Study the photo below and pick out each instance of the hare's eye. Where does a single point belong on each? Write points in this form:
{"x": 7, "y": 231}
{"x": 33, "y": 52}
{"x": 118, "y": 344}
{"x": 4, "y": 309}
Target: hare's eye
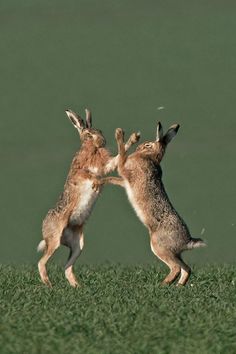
{"x": 148, "y": 145}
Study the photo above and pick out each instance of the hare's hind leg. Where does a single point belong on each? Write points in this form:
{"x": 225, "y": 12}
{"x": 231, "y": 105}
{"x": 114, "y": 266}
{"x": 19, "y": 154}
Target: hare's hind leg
{"x": 52, "y": 231}
{"x": 174, "y": 262}
{"x": 171, "y": 260}
{"x": 52, "y": 243}
{"x": 74, "y": 239}
{"x": 185, "y": 273}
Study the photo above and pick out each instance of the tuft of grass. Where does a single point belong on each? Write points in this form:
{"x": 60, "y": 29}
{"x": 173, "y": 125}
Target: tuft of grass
{"x": 118, "y": 310}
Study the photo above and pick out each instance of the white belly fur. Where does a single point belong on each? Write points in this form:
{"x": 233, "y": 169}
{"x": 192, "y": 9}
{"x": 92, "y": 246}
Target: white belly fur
{"x": 134, "y": 203}
{"x": 85, "y": 204}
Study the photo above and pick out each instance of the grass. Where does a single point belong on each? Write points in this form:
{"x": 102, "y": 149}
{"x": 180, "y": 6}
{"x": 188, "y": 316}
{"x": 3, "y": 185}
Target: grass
{"x": 117, "y": 310}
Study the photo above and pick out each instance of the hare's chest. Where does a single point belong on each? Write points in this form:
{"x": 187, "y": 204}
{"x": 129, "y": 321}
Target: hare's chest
{"x": 134, "y": 201}
{"x": 93, "y": 170}
{"x": 85, "y": 203}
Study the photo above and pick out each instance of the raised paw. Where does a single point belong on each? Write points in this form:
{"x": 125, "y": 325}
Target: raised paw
{"x": 134, "y": 138}
{"x": 97, "y": 185}
{"x": 119, "y": 134}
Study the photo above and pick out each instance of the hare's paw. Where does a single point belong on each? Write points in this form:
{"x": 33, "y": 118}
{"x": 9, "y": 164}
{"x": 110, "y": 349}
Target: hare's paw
{"x": 134, "y": 138}
{"x": 119, "y": 134}
{"x": 97, "y": 185}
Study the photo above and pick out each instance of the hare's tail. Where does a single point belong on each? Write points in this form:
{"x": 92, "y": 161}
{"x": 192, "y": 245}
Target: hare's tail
{"x": 41, "y": 246}
{"x": 195, "y": 243}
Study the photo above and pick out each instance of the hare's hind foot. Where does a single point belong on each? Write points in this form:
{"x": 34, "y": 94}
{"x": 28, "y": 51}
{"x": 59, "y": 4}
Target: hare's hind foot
{"x": 43, "y": 274}
{"x": 173, "y": 275}
{"x": 176, "y": 269}
{"x": 71, "y": 277}
{"x": 185, "y": 274}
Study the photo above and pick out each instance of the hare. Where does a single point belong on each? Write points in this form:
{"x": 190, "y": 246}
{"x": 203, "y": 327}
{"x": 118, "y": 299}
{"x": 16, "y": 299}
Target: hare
{"x": 142, "y": 178}
{"x": 64, "y": 224}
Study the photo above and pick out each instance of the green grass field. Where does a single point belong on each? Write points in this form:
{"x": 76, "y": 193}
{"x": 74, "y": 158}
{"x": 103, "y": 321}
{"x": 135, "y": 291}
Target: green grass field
{"x": 118, "y": 310}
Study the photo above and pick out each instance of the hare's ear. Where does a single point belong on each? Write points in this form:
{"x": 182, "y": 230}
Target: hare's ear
{"x": 88, "y": 119}
{"x": 159, "y": 132}
{"x": 76, "y": 120}
{"x": 171, "y": 133}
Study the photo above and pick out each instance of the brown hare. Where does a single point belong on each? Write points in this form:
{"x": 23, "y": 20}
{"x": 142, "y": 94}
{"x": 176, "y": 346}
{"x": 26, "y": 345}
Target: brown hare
{"x": 64, "y": 223}
{"x": 142, "y": 178}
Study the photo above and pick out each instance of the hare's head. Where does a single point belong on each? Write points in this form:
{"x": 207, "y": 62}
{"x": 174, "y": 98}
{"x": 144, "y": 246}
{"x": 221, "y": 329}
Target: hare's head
{"x": 156, "y": 149}
{"x": 86, "y": 132}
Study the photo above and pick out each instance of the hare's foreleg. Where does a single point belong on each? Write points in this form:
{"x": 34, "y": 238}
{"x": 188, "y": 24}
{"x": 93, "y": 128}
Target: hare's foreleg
{"x": 121, "y": 149}
{"x": 113, "y": 180}
{"x": 113, "y": 162}
{"x": 120, "y": 143}
{"x": 133, "y": 139}
{"x": 74, "y": 239}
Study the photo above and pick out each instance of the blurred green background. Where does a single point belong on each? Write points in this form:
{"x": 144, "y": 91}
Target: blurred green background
{"x": 123, "y": 60}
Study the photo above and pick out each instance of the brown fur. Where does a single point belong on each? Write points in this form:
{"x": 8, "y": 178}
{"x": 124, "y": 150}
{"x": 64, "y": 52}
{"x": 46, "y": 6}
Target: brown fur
{"x": 142, "y": 178}
{"x": 64, "y": 223}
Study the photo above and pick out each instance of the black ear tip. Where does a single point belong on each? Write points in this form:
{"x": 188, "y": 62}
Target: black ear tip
{"x": 68, "y": 111}
{"x": 175, "y": 127}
